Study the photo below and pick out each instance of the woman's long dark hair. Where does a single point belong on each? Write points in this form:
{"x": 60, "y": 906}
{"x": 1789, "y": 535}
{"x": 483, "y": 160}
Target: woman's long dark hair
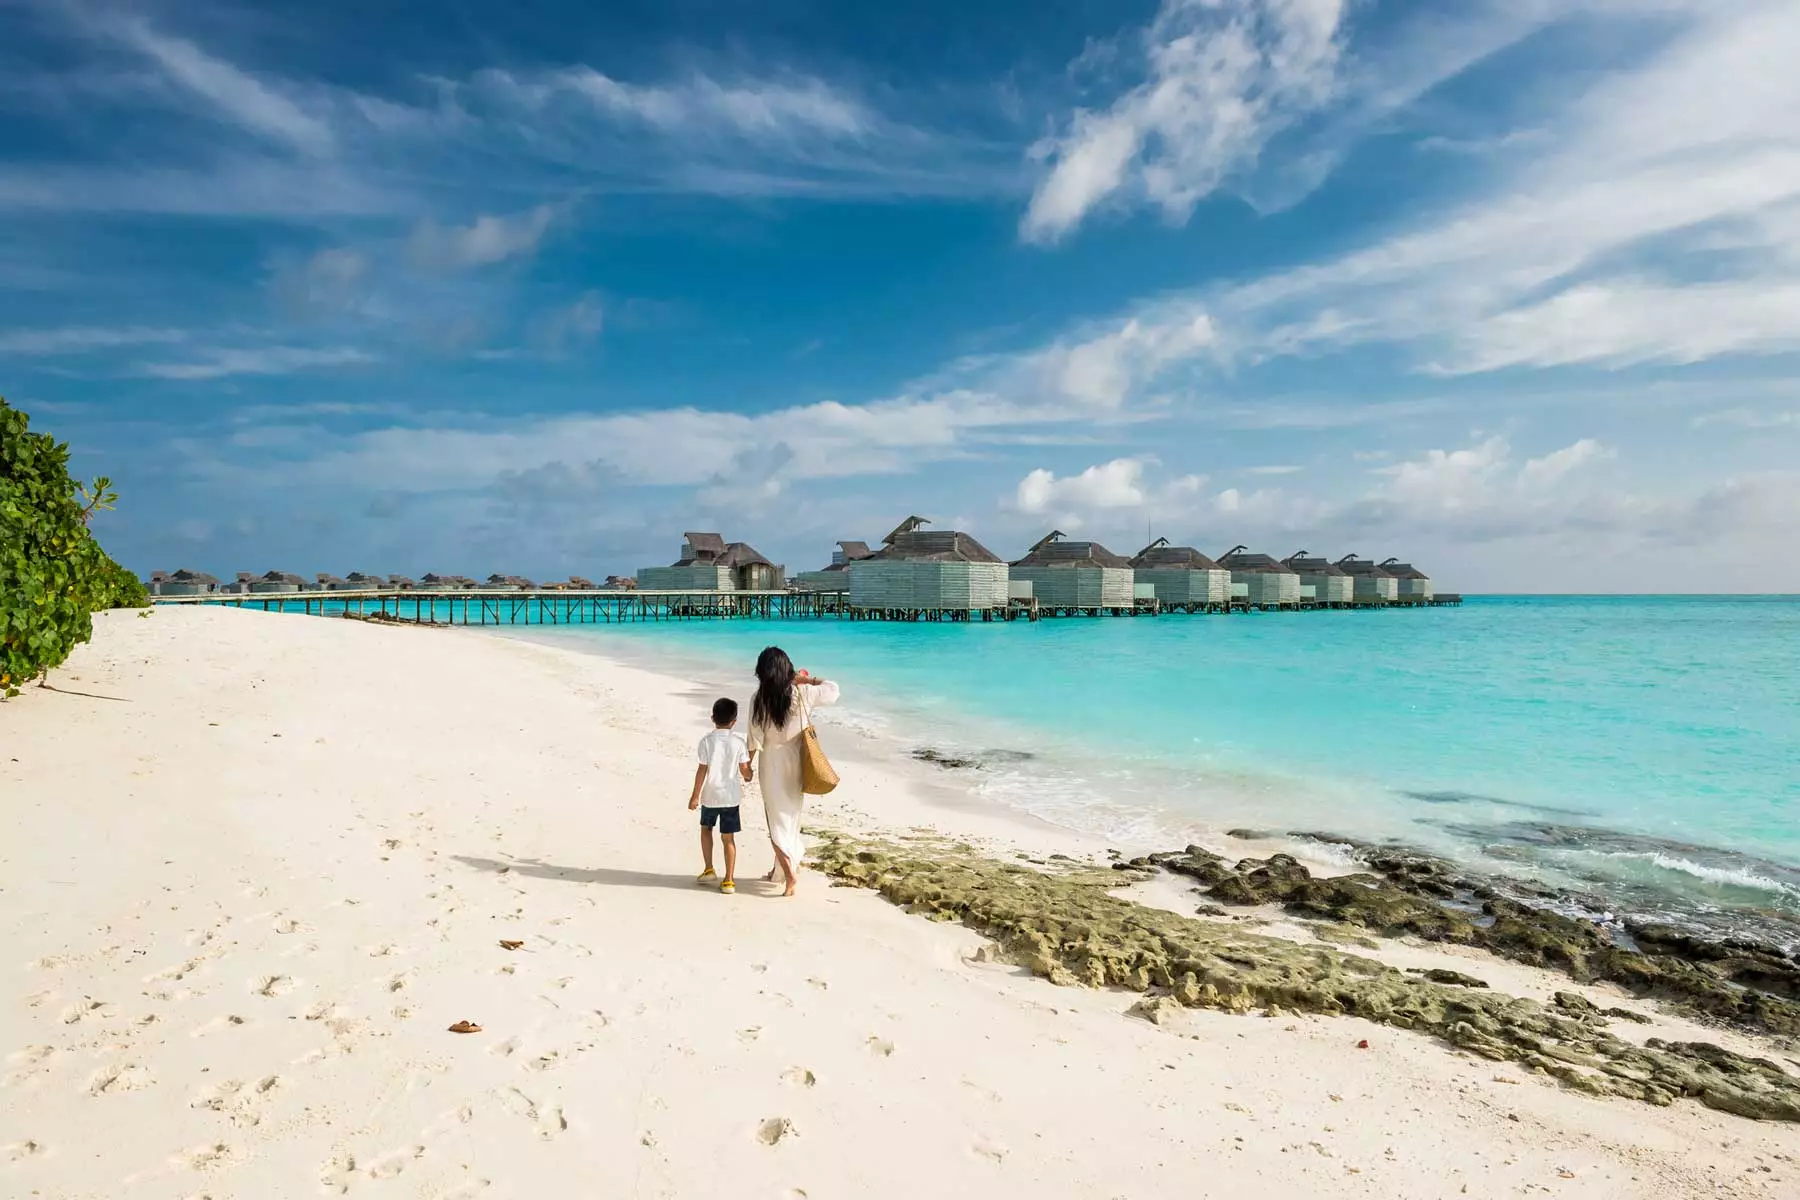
{"x": 774, "y": 689}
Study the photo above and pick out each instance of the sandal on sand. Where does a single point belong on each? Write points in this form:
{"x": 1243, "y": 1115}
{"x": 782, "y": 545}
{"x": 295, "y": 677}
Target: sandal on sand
{"x": 728, "y": 887}
{"x": 706, "y": 876}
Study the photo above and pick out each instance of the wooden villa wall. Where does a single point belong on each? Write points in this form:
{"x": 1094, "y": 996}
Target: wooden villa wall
{"x": 1370, "y": 587}
{"x": 822, "y": 581}
{"x": 900, "y": 583}
{"x": 1179, "y": 585}
{"x": 1269, "y": 587}
{"x": 686, "y": 579}
{"x": 1332, "y": 589}
{"x": 1079, "y": 587}
{"x": 1419, "y": 589}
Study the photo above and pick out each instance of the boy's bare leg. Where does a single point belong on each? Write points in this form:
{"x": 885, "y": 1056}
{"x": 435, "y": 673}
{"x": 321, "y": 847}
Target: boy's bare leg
{"x": 706, "y": 846}
{"x": 730, "y": 840}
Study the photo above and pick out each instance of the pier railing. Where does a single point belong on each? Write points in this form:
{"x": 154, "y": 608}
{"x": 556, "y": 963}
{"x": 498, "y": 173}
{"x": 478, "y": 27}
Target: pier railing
{"x": 512, "y": 606}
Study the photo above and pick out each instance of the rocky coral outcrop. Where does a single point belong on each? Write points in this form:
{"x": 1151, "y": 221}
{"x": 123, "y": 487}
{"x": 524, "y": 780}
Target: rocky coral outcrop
{"x": 1407, "y": 893}
{"x": 1065, "y": 926}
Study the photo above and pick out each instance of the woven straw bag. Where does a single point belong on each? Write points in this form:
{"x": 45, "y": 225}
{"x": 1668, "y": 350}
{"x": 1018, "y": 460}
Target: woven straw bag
{"x": 817, "y": 775}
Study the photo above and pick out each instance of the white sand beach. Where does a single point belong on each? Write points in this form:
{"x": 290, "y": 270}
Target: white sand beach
{"x": 256, "y": 865}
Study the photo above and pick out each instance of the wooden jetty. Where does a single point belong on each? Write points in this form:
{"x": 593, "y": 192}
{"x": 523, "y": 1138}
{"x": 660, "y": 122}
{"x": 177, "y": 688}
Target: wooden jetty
{"x": 562, "y": 606}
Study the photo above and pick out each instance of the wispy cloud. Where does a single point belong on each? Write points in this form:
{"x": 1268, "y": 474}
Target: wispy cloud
{"x": 488, "y": 240}
{"x": 1221, "y": 79}
{"x": 233, "y": 96}
{"x": 263, "y": 360}
{"x": 82, "y": 339}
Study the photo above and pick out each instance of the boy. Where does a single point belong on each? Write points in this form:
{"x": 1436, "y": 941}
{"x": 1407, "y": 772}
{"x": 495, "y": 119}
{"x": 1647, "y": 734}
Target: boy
{"x": 718, "y": 790}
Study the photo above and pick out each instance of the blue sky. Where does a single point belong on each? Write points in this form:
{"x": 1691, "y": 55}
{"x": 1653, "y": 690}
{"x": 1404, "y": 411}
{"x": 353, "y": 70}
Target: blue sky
{"x": 1510, "y": 288}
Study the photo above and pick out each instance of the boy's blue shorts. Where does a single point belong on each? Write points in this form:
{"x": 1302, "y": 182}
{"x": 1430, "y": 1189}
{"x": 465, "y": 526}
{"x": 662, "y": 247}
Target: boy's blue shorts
{"x": 729, "y": 820}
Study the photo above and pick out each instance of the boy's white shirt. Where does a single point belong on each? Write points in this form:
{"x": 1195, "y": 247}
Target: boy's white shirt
{"x": 723, "y": 752}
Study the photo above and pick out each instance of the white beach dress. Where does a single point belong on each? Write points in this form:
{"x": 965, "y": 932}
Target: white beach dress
{"x": 778, "y": 766}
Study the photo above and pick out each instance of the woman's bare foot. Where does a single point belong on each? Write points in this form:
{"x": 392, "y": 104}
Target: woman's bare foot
{"x": 789, "y": 890}
{"x": 770, "y": 877}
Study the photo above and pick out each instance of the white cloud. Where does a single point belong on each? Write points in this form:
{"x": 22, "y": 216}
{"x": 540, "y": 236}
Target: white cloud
{"x": 1551, "y": 468}
{"x": 328, "y": 282}
{"x": 82, "y": 339}
{"x": 1223, "y": 76}
{"x": 234, "y": 95}
{"x": 1104, "y": 367}
{"x": 489, "y": 240}
{"x": 1273, "y": 470}
{"x": 264, "y": 360}
{"x": 757, "y": 108}
{"x": 1117, "y": 484}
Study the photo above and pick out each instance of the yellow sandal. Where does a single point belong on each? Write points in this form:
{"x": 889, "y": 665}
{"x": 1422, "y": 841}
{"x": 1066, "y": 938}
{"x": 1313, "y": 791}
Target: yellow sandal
{"x": 706, "y": 876}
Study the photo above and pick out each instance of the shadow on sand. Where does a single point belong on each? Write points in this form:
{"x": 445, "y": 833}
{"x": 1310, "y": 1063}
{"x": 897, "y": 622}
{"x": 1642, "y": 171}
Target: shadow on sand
{"x": 605, "y": 876}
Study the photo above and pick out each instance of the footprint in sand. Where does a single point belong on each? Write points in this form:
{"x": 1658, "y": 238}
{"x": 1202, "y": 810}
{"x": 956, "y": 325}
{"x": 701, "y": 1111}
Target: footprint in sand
{"x": 290, "y": 925}
{"x": 202, "y": 1158}
{"x": 174, "y": 974}
{"x": 229, "y": 1021}
{"x": 774, "y": 1130}
{"x": 272, "y": 985}
{"x": 399, "y": 982}
{"x": 87, "y": 1010}
{"x": 799, "y": 1077}
{"x": 464, "y": 1191}
{"x": 819, "y": 983}
{"x": 110, "y": 1081}
{"x": 335, "y": 1175}
{"x": 750, "y": 1035}
{"x": 18, "y": 1152}
{"x": 392, "y": 1164}
{"x": 880, "y": 1047}
{"x": 505, "y": 1049}
{"x": 986, "y": 1148}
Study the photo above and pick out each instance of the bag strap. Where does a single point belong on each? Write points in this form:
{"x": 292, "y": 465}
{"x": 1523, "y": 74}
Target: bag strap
{"x": 805, "y": 709}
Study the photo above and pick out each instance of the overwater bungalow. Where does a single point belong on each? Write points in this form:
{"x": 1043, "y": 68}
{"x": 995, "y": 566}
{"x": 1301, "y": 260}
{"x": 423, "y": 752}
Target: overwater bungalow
{"x": 1330, "y": 584}
{"x": 1066, "y": 574}
{"x": 835, "y": 577}
{"x": 1413, "y": 584}
{"x": 1265, "y": 580}
{"x": 431, "y": 581}
{"x": 396, "y": 582}
{"x": 620, "y": 583}
{"x": 1372, "y": 581}
{"x": 276, "y": 583}
{"x": 518, "y": 582}
{"x": 1181, "y": 575}
{"x": 361, "y": 581}
{"x": 330, "y": 583}
{"x": 181, "y": 582}
{"x": 709, "y": 563}
{"x": 920, "y": 569}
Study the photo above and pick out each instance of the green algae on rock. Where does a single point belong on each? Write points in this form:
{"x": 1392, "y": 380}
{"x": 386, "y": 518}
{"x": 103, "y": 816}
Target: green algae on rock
{"x": 1408, "y": 893}
{"x": 1065, "y": 926}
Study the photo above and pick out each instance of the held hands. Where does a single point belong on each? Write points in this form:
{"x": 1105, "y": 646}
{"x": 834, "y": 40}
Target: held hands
{"x": 804, "y": 677}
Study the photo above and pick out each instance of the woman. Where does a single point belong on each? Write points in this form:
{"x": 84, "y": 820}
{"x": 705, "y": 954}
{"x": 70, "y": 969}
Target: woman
{"x": 784, "y": 700}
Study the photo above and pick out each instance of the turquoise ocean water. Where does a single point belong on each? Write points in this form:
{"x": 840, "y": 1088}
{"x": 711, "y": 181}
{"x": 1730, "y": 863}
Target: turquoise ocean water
{"x": 1646, "y": 750}
{"x": 1641, "y": 752}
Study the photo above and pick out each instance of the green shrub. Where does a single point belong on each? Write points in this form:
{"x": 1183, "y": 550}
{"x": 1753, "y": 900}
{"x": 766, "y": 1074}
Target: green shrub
{"x": 53, "y": 574}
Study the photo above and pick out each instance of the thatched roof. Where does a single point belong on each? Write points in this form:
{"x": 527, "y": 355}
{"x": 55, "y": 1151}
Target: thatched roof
{"x": 1180, "y": 558}
{"x": 937, "y": 545}
{"x": 364, "y": 577}
{"x": 1353, "y": 565}
{"x": 183, "y": 575}
{"x": 742, "y": 554}
{"x": 854, "y": 551}
{"x": 327, "y": 579}
{"x": 701, "y": 545}
{"x": 1306, "y": 564}
{"x": 910, "y": 525}
{"x": 399, "y": 581}
{"x": 1239, "y": 558}
{"x": 1400, "y": 570}
{"x": 1053, "y": 551}
{"x": 280, "y": 577}
{"x": 709, "y": 549}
